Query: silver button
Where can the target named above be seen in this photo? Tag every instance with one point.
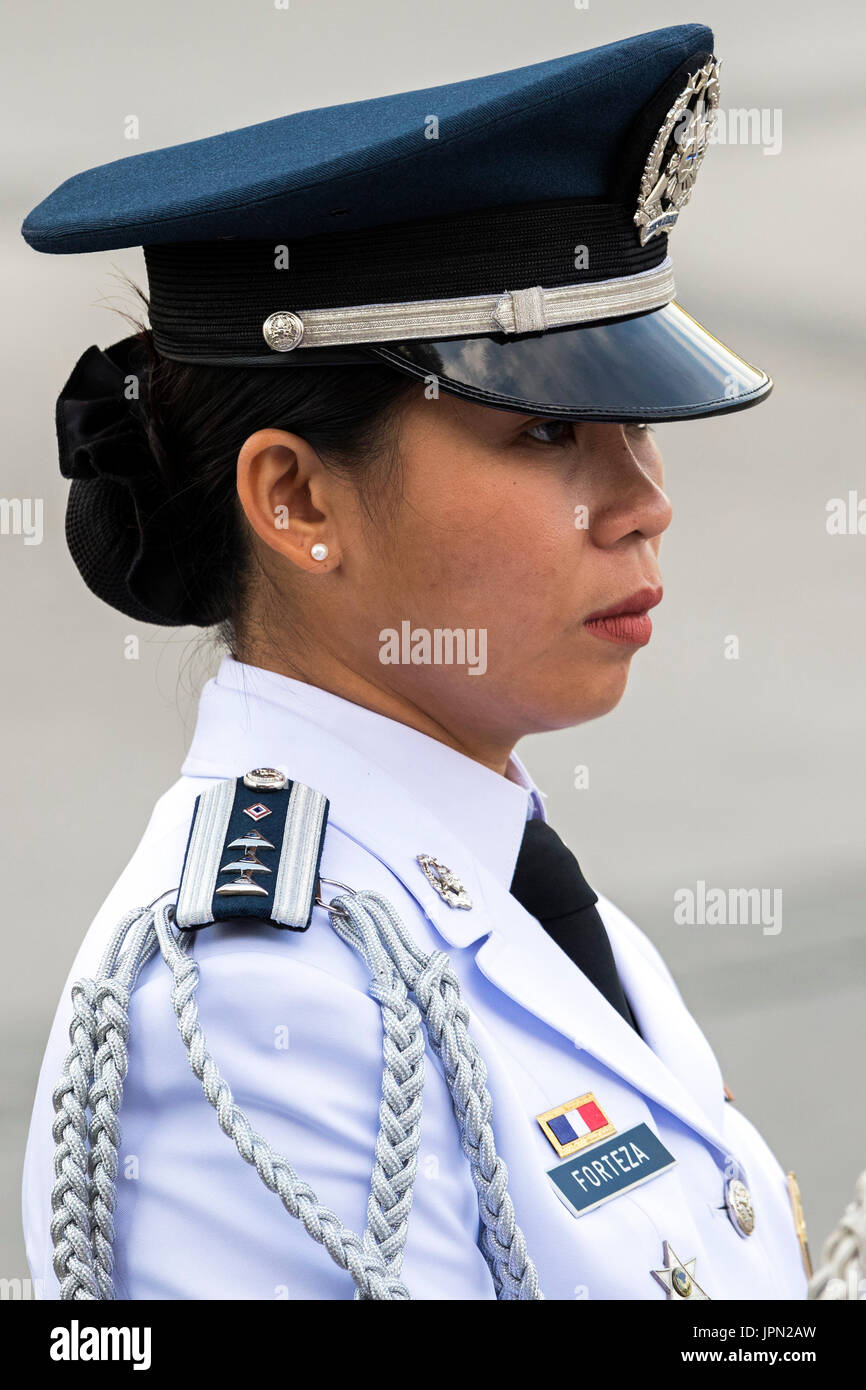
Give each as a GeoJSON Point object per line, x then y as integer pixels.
{"type": "Point", "coordinates": [738, 1200]}
{"type": "Point", "coordinates": [283, 331]}
{"type": "Point", "coordinates": [266, 779]}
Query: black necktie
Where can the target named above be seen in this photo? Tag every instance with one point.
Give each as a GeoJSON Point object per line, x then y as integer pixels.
{"type": "Point", "coordinates": [548, 883]}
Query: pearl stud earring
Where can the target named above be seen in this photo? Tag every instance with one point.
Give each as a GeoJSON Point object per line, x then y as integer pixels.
{"type": "Point", "coordinates": [319, 551]}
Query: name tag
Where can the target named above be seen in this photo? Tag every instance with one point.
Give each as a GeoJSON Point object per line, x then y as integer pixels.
{"type": "Point", "coordinates": [605, 1171]}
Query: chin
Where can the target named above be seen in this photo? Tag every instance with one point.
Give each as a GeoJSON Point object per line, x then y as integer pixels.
{"type": "Point", "coordinates": [591, 699]}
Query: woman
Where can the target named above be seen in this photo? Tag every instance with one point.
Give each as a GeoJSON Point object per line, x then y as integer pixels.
{"type": "Point", "coordinates": [438, 537]}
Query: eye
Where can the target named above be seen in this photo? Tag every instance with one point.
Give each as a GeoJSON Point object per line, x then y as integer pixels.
{"type": "Point", "coordinates": [551, 431]}
{"type": "Point", "coordinates": [639, 427]}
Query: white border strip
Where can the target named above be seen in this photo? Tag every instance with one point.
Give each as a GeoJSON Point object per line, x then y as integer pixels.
{"type": "Point", "coordinates": [205, 850]}
{"type": "Point", "coordinates": [299, 857]}
{"type": "Point", "coordinates": [520, 311]}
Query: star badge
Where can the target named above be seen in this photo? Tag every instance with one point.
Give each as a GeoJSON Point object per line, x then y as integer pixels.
{"type": "Point", "coordinates": [678, 1276]}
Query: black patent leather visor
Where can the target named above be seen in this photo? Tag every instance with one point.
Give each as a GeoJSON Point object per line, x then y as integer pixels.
{"type": "Point", "coordinates": [657, 366]}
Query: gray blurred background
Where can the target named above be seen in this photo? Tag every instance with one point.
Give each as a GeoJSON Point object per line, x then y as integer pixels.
{"type": "Point", "coordinates": [743, 773]}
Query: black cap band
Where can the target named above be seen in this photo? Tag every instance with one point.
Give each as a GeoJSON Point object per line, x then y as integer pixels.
{"type": "Point", "coordinates": [208, 300]}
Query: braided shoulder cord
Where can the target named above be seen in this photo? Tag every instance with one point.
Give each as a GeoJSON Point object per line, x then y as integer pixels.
{"type": "Point", "coordinates": [86, 1101]}
{"type": "Point", "coordinates": [842, 1273]}
{"type": "Point", "coordinates": [111, 1064]}
{"type": "Point", "coordinates": [88, 1098]}
{"type": "Point", "coordinates": [70, 1211]}
{"type": "Point", "coordinates": [396, 1158]}
{"type": "Point", "coordinates": [351, 1252]}
{"type": "Point", "coordinates": [431, 981]}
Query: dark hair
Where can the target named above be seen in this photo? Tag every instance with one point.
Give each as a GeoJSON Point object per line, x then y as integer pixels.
{"type": "Point", "coordinates": [153, 519]}
{"type": "Point", "coordinates": [197, 417]}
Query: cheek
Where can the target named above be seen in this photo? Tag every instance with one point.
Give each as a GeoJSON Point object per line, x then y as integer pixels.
{"type": "Point", "coordinates": [501, 546]}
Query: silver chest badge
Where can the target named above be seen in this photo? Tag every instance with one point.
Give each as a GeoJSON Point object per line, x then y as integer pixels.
{"type": "Point", "coordinates": [677, 1277]}
{"type": "Point", "coordinates": [446, 883]}
{"type": "Point", "coordinates": [666, 184]}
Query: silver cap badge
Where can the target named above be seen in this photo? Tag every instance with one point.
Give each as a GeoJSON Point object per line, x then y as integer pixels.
{"type": "Point", "coordinates": [666, 184]}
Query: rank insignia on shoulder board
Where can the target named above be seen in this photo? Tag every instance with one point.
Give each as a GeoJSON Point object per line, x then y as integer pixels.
{"type": "Point", "coordinates": [233, 870]}
{"type": "Point", "coordinates": [575, 1125]}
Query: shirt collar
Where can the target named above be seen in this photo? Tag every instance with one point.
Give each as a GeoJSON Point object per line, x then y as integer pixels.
{"type": "Point", "coordinates": [246, 711]}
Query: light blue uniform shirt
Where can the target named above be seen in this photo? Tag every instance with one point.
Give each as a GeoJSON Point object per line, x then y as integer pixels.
{"type": "Point", "coordinates": [298, 1038]}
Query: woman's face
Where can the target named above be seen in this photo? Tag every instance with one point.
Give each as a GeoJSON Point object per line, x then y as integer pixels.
{"type": "Point", "coordinates": [511, 531]}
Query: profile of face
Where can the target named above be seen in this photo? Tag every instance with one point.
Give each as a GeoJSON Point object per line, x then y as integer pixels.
{"type": "Point", "coordinates": [509, 532]}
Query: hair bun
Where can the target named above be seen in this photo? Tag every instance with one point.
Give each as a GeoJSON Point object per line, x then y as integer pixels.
{"type": "Point", "coordinates": [123, 526]}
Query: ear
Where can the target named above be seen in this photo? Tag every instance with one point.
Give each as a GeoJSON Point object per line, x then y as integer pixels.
{"type": "Point", "coordinates": [286, 495]}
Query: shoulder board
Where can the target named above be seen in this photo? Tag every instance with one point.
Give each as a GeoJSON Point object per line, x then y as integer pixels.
{"type": "Point", "coordinates": [254, 850]}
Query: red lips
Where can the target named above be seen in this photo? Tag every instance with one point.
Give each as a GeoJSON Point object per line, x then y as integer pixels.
{"type": "Point", "coordinates": [627, 622]}
{"type": "Point", "coordinates": [639, 602]}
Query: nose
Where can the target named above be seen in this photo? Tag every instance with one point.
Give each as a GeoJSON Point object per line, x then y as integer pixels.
{"type": "Point", "coordinates": [630, 500]}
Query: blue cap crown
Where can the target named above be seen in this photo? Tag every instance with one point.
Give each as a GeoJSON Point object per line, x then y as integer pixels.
{"type": "Point", "coordinates": [549, 131]}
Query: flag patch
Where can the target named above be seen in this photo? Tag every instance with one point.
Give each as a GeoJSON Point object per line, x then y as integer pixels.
{"type": "Point", "coordinates": [576, 1124]}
